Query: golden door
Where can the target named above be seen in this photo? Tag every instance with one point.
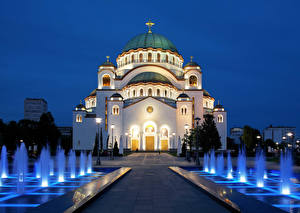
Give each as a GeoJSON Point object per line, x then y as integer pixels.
{"type": "Point", "coordinates": [149, 143]}
{"type": "Point", "coordinates": [164, 145]}
{"type": "Point", "coordinates": [134, 144]}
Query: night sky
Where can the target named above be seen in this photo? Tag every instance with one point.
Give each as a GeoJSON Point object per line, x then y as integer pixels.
{"type": "Point", "coordinates": [249, 52]}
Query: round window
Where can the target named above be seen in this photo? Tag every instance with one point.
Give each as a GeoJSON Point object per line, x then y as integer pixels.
{"type": "Point", "coordinates": [150, 109]}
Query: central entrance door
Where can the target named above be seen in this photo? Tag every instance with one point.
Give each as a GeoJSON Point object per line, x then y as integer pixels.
{"type": "Point", "coordinates": [149, 143]}
{"type": "Point", "coordinates": [164, 145]}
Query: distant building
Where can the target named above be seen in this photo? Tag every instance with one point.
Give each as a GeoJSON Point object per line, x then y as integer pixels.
{"type": "Point", "coordinates": [279, 133]}
{"type": "Point", "coordinates": [236, 134]}
{"type": "Point", "coordinates": [65, 130]}
{"type": "Point", "coordinates": [34, 108]}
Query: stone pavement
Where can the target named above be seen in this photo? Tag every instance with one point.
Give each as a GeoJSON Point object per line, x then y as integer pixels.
{"type": "Point", "coordinates": [152, 187]}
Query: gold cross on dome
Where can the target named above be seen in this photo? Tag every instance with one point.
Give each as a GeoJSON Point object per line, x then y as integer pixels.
{"type": "Point", "coordinates": [192, 58]}
{"type": "Point", "coordinates": [107, 58]}
{"type": "Point", "coordinates": [149, 24]}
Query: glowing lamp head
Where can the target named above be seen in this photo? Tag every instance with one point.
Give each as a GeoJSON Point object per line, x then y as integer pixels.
{"type": "Point", "coordinates": [112, 126]}
{"type": "Point", "coordinates": [98, 120]}
{"type": "Point", "coordinates": [186, 126]}
{"type": "Point", "coordinates": [290, 134]}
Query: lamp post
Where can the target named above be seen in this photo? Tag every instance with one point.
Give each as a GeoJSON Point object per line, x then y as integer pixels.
{"type": "Point", "coordinates": [186, 126]}
{"type": "Point", "coordinates": [98, 121]}
{"type": "Point", "coordinates": [112, 140]}
{"type": "Point", "coordinates": [197, 141]}
{"type": "Point", "coordinates": [258, 137]}
{"type": "Point", "coordinates": [126, 143]}
{"type": "Point", "coordinates": [173, 146]}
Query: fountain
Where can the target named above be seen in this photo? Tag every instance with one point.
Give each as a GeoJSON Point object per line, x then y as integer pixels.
{"type": "Point", "coordinates": [37, 168]}
{"type": "Point", "coordinates": [220, 164]}
{"type": "Point", "coordinates": [51, 167]}
{"type": "Point", "coordinates": [72, 164]}
{"type": "Point", "coordinates": [21, 167]}
{"type": "Point", "coordinates": [82, 163]}
{"type": "Point", "coordinates": [89, 163]}
{"type": "Point", "coordinates": [212, 162]}
{"type": "Point", "coordinates": [260, 168]}
{"type": "Point", "coordinates": [4, 168]}
{"type": "Point", "coordinates": [242, 170]}
{"type": "Point", "coordinates": [205, 163]}
{"type": "Point", "coordinates": [229, 166]}
{"type": "Point", "coordinates": [61, 165]}
{"type": "Point", "coordinates": [44, 164]}
{"type": "Point", "coordinates": [285, 172]}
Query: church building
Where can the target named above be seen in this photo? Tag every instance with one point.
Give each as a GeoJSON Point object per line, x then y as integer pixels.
{"type": "Point", "coordinates": [147, 100]}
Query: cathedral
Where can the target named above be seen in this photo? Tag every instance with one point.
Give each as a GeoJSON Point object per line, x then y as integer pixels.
{"type": "Point", "coordinates": [146, 101]}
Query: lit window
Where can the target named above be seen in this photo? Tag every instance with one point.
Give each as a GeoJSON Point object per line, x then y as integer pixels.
{"type": "Point", "coordinates": [149, 57]}
{"type": "Point", "coordinates": [183, 110]}
{"type": "Point", "coordinates": [158, 57]}
{"type": "Point", "coordinates": [158, 92]}
{"type": "Point", "coordinates": [149, 92]}
{"type": "Point", "coordinates": [133, 93]}
{"type": "Point", "coordinates": [78, 118]}
{"type": "Point", "coordinates": [166, 93]}
{"type": "Point", "coordinates": [164, 133]}
{"type": "Point", "coordinates": [193, 81]}
{"type": "Point", "coordinates": [106, 81]}
{"type": "Point", "coordinates": [115, 110]}
{"type": "Point", "coordinates": [220, 119]}
{"type": "Point", "coordinates": [167, 58]}
{"type": "Point", "coordinates": [141, 92]}
{"type": "Point", "coordinates": [141, 57]}
{"type": "Point", "coordinates": [126, 60]}
{"type": "Point", "coordinates": [132, 58]}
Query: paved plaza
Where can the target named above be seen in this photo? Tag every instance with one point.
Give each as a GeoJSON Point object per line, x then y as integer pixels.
{"type": "Point", "coordinates": [152, 187]}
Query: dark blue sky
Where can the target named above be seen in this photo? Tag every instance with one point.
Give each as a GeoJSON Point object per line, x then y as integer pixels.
{"type": "Point", "coordinates": [249, 51]}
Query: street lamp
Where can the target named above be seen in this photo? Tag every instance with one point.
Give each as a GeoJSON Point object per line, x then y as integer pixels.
{"type": "Point", "coordinates": [98, 121]}
{"type": "Point", "coordinates": [174, 140]}
{"type": "Point", "coordinates": [126, 134]}
{"type": "Point", "coordinates": [197, 141]}
{"type": "Point", "coordinates": [186, 126]}
{"type": "Point", "coordinates": [112, 140]}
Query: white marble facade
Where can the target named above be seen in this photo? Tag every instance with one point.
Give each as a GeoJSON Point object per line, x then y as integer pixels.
{"type": "Point", "coordinates": [149, 99]}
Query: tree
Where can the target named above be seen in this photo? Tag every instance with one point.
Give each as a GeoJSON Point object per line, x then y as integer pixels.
{"type": "Point", "coordinates": [210, 138]}
{"type": "Point", "coordinates": [249, 138]}
{"type": "Point", "coordinates": [116, 149]}
{"type": "Point", "coordinates": [183, 149]}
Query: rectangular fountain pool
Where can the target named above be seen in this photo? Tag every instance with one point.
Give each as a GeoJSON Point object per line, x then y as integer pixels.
{"type": "Point", "coordinates": [34, 195]}
{"type": "Point", "coordinates": [270, 193]}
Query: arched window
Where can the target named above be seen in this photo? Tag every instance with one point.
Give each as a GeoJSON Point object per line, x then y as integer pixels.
{"type": "Point", "coordinates": [149, 92]}
{"type": "Point", "coordinates": [158, 92]}
{"type": "Point", "coordinates": [172, 60]}
{"type": "Point", "coordinates": [149, 57]}
{"type": "Point", "coordinates": [166, 93]}
{"type": "Point", "coordinates": [132, 58]}
{"type": "Point", "coordinates": [106, 80]}
{"type": "Point", "coordinates": [164, 133]}
{"type": "Point", "coordinates": [141, 92]}
{"type": "Point", "coordinates": [183, 110]}
{"type": "Point", "coordinates": [141, 57]}
{"type": "Point", "coordinates": [158, 57]}
{"type": "Point", "coordinates": [128, 93]}
{"type": "Point", "coordinates": [115, 110]}
{"type": "Point", "coordinates": [167, 58]}
{"type": "Point", "coordinates": [78, 118]}
{"type": "Point", "coordinates": [220, 119]}
{"type": "Point", "coordinates": [171, 94]}
{"type": "Point", "coordinates": [193, 81]}
{"type": "Point", "coordinates": [133, 93]}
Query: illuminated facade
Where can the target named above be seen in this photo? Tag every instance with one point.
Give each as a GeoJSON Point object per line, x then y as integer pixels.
{"type": "Point", "coordinates": [146, 102]}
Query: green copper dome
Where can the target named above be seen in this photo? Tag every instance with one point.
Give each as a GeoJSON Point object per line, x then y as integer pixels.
{"type": "Point", "coordinates": [147, 77]}
{"type": "Point", "coordinates": [149, 39]}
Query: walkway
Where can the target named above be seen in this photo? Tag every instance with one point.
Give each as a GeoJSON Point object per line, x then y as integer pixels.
{"type": "Point", "coordinates": [152, 187]}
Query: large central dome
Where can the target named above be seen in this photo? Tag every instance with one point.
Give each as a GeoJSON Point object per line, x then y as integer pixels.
{"type": "Point", "coordinates": [150, 39]}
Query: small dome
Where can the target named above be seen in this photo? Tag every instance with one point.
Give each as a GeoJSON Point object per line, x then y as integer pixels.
{"type": "Point", "coordinates": [205, 93]}
{"type": "Point", "coordinates": [116, 95]}
{"type": "Point", "coordinates": [183, 95]}
{"type": "Point", "coordinates": [150, 39]}
{"type": "Point", "coordinates": [80, 106]}
{"type": "Point", "coordinates": [192, 64]}
{"type": "Point", "coordinates": [108, 63]}
{"type": "Point", "coordinates": [149, 77]}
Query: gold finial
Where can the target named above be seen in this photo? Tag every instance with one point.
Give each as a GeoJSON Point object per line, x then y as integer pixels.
{"type": "Point", "coordinates": [192, 58]}
{"type": "Point", "coordinates": [149, 24]}
{"type": "Point", "coordinates": [107, 58]}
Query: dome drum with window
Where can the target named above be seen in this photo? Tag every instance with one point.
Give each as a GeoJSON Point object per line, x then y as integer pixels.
{"type": "Point", "coordinates": [116, 97]}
